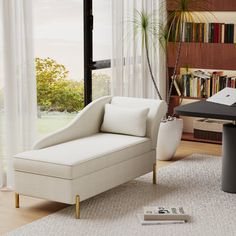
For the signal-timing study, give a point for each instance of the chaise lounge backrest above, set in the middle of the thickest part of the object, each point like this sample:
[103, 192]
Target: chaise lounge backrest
[89, 120]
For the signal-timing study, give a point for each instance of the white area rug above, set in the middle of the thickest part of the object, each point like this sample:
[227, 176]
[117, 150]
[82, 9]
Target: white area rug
[193, 183]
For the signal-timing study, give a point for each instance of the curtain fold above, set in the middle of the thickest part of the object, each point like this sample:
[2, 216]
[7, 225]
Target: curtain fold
[19, 86]
[130, 74]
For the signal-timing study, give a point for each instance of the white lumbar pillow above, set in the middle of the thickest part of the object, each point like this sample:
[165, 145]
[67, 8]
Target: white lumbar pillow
[123, 120]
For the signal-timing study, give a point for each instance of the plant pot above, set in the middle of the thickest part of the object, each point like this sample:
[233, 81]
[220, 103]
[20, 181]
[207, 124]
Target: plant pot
[169, 138]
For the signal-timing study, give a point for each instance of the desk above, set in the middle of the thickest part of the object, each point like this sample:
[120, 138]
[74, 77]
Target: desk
[217, 111]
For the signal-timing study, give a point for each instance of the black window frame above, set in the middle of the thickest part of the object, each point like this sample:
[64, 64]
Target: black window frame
[89, 63]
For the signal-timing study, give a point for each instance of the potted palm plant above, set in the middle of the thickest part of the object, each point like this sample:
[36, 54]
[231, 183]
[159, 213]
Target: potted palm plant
[170, 131]
[145, 24]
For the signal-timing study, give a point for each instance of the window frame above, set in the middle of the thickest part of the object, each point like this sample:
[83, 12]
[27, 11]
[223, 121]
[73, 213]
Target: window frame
[89, 63]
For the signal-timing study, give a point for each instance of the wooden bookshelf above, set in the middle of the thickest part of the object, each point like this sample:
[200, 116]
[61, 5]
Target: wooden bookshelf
[220, 56]
[206, 5]
[215, 56]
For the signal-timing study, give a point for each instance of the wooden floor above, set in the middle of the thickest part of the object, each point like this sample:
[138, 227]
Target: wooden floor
[32, 209]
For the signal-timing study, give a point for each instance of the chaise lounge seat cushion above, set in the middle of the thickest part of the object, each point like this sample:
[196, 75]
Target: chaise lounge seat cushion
[83, 156]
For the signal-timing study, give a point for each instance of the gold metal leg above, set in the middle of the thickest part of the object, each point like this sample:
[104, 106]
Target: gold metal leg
[17, 200]
[154, 175]
[77, 207]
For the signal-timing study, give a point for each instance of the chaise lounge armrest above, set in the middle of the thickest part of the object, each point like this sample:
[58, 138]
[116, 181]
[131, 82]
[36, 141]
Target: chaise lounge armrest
[86, 123]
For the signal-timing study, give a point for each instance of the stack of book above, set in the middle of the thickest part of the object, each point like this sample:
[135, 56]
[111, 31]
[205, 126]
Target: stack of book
[203, 85]
[206, 33]
[163, 215]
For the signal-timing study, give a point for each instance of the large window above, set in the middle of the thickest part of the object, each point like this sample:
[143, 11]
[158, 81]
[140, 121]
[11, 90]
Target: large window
[58, 40]
[102, 29]
[61, 66]
[101, 80]
[102, 46]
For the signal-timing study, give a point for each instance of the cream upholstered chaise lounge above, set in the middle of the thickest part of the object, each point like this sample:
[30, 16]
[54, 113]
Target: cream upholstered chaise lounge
[79, 161]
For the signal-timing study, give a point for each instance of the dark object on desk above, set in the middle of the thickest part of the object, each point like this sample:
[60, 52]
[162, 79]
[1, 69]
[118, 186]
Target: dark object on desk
[223, 112]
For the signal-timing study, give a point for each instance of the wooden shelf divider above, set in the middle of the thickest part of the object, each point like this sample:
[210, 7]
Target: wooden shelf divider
[220, 56]
[207, 5]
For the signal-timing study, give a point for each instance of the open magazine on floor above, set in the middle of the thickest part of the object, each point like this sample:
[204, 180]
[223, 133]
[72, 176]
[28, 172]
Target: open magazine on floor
[155, 215]
[158, 222]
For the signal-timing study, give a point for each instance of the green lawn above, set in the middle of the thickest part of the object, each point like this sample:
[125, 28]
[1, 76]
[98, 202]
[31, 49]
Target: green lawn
[51, 122]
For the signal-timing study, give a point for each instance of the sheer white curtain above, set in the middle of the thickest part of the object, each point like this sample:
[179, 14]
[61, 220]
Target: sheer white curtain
[130, 75]
[19, 85]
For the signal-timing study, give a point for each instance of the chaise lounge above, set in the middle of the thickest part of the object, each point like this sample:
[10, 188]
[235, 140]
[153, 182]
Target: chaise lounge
[85, 159]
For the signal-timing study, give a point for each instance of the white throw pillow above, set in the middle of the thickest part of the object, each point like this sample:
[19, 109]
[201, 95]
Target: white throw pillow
[123, 120]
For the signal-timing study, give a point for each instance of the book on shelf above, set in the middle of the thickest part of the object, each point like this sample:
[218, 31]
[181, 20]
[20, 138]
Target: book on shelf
[201, 84]
[177, 88]
[165, 213]
[205, 33]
